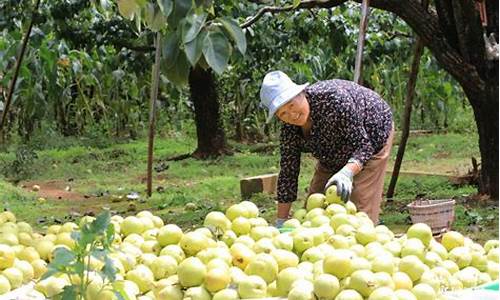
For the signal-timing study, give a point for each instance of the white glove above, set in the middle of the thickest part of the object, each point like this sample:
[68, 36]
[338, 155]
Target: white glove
[343, 180]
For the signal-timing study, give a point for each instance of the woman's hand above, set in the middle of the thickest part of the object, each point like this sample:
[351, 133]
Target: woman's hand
[343, 180]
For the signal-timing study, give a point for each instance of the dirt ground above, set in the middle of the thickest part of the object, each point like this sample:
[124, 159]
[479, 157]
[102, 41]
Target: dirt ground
[53, 190]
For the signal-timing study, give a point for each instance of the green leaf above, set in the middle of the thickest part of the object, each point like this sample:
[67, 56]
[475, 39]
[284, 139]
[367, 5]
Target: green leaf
[128, 8]
[153, 17]
[120, 293]
[79, 267]
[109, 269]
[191, 26]
[141, 3]
[203, 63]
[166, 6]
[110, 235]
[63, 257]
[138, 22]
[216, 50]
[180, 10]
[158, 22]
[194, 49]
[296, 3]
[50, 272]
[171, 49]
[447, 88]
[98, 253]
[149, 13]
[86, 237]
[179, 71]
[69, 293]
[101, 222]
[236, 33]
[211, 10]
[76, 235]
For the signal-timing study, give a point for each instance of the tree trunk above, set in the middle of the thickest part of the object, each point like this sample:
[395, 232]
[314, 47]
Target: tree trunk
[358, 65]
[453, 33]
[486, 114]
[405, 130]
[155, 78]
[209, 131]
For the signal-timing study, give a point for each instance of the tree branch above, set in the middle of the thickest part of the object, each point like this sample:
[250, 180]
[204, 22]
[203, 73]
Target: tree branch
[473, 35]
[460, 29]
[258, 1]
[427, 23]
[446, 20]
[395, 34]
[277, 9]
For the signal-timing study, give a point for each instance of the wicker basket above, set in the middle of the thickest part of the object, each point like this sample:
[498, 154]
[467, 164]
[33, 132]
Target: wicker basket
[438, 214]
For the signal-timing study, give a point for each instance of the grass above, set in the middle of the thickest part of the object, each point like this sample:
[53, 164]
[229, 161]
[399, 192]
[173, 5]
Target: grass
[106, 174]
[473, 218]
[439, 153]
[18, 201]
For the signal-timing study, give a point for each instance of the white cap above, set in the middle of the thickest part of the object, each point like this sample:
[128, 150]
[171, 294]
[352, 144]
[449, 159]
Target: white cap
[276, 90]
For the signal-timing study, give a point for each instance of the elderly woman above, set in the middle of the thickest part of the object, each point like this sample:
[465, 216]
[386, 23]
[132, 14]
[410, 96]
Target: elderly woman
[346, 127]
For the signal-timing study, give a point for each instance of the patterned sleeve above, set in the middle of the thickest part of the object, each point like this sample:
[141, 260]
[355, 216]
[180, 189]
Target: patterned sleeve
[289, 165]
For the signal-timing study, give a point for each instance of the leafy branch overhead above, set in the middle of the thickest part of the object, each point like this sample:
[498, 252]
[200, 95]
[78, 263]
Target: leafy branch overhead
[193, 34]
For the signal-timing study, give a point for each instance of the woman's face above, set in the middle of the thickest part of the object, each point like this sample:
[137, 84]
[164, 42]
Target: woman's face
[296, 111]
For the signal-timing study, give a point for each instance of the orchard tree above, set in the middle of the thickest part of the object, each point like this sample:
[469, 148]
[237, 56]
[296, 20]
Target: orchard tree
[81, 67]
[455, 34]
[196, 43]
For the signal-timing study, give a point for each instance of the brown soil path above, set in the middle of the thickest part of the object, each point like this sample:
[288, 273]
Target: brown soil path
[53, 190]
